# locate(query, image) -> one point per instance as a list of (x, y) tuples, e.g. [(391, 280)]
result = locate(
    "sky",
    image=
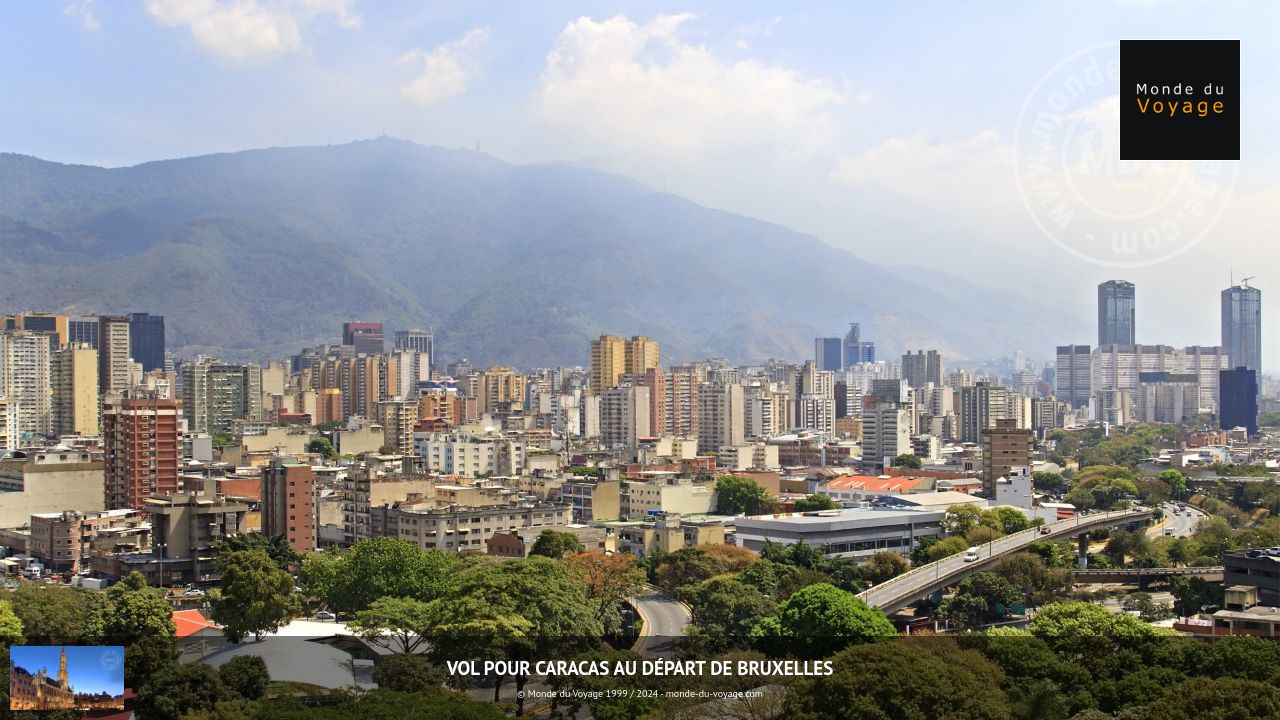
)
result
[(895, 130), (89, 669)]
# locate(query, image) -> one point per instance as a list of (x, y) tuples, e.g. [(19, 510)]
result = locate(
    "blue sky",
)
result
[(86, 670), (884, 128)]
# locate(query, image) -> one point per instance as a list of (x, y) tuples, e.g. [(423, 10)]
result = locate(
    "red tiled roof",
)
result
[(872, 483), (190, 622)]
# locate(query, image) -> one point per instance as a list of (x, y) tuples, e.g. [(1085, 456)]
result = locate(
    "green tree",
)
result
[(10, 625), (140, 619), (1176, 481), (246, 675), (180, 689), (1004, 519), (1034, 579), (526, 610), (738, 495), (686, 566), (1217, 699), (555, 544), (1050, 482), (960, 519), (407, 673), (819, 620), (1088, 633), (929, 680), (276, 547), (1193, 594), (254, 597), (60, 615), (908, 461), (401, 624), (1148, 610), (815, 502), (725, 610), (386, 567), (965, 611), (323, 447), (608, 580), (884, 566), (945, 548)]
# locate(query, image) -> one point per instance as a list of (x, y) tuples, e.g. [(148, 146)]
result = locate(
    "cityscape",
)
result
[(637, 361)]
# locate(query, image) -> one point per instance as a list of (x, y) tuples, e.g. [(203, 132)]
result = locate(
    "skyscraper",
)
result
[(920, 368), (113, 353), (422, 341), (141, 449), (1073, 375), (1242, 326), (365, 337), (829, 353), (1239, 404), (25, 382), (1116, 313), (74, 381), (612, 357), (146, 340), (857, 350)]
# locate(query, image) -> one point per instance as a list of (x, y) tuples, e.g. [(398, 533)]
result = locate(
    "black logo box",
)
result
[(1186, 65)]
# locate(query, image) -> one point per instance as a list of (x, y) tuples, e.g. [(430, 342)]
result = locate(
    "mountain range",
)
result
[(254, 254)]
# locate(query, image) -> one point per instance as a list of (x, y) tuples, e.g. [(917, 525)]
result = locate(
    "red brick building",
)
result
[(289, 503), (141, 451)]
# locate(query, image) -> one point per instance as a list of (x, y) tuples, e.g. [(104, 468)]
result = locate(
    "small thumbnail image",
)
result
[(66, 677)]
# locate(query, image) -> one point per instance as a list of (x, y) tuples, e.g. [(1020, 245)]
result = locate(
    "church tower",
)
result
[(64, 681)]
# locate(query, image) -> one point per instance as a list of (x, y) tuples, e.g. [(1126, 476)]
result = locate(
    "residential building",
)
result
[(25, 382), (977, 409), (1239, 404), (74, 381), (680, 407), (141, 450), (48, 480), (624, 416), (68, 540), (1242, 326), (721, 416), (1116, 313), (468, 455), (467, 529), (113, 353), (886, 434), (421, 341), (613, 356), (593, 499), (399, 417), (499, 388), (666, 493), (1004, 447), (289, 502), (184, 529), (215, 395), (1073, 376), (920, 368), (667, 533), (518, 543)]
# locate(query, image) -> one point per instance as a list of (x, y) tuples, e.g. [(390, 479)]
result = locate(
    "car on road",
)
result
[(324, 615), (971, 554), (1045, 529)]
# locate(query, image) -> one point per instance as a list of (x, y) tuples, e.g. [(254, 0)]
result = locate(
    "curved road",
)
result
[(1181, 523), (899, 592), (665, 619)]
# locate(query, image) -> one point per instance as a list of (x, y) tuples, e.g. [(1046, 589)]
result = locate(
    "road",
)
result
[(665, 619), (1181, 523), (893, 595)]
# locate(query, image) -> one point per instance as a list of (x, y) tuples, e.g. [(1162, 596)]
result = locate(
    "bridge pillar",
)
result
[(1082, 550)]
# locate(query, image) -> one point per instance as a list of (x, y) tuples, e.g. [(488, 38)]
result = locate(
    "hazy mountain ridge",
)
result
[(254, 254)]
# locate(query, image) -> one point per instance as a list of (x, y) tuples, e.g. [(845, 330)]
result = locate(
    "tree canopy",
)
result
[(819, 620), (555, 544), (738, 495), (255, 596)]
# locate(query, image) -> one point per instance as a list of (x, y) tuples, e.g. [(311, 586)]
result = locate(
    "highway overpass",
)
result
[(1142, 576), (907, 588)]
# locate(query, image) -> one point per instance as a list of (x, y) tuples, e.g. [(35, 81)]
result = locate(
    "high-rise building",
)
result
[(1004, 447), (74, 380), (1116, 303), (54, 326), (857, 350), (146, 340), (420, 340), (215, 395), (365, 337), (656, 380), (1073, 375), (624, 416), (1242, 326), (1239, 404), (829, 353), (398, 416), (25, 382), (141, 450), (978, 408), (499, 386), (886, 434), (681, 401), (612, 357), (82, 329), (919, 368), (113, 353), (359, 379), (288, 502), (721, 416)]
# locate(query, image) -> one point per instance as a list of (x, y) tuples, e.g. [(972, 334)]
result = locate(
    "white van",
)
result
[(971, 554)]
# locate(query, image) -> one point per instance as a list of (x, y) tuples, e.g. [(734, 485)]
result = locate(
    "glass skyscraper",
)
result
[(1116, 303), (146, 340), (1242, 326)]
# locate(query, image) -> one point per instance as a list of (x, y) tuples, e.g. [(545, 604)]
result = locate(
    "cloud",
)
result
[(445, 69), (643, 87), (241, 29), (83, 11)]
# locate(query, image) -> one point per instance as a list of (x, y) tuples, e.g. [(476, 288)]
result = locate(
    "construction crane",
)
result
[(1244, 282)]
